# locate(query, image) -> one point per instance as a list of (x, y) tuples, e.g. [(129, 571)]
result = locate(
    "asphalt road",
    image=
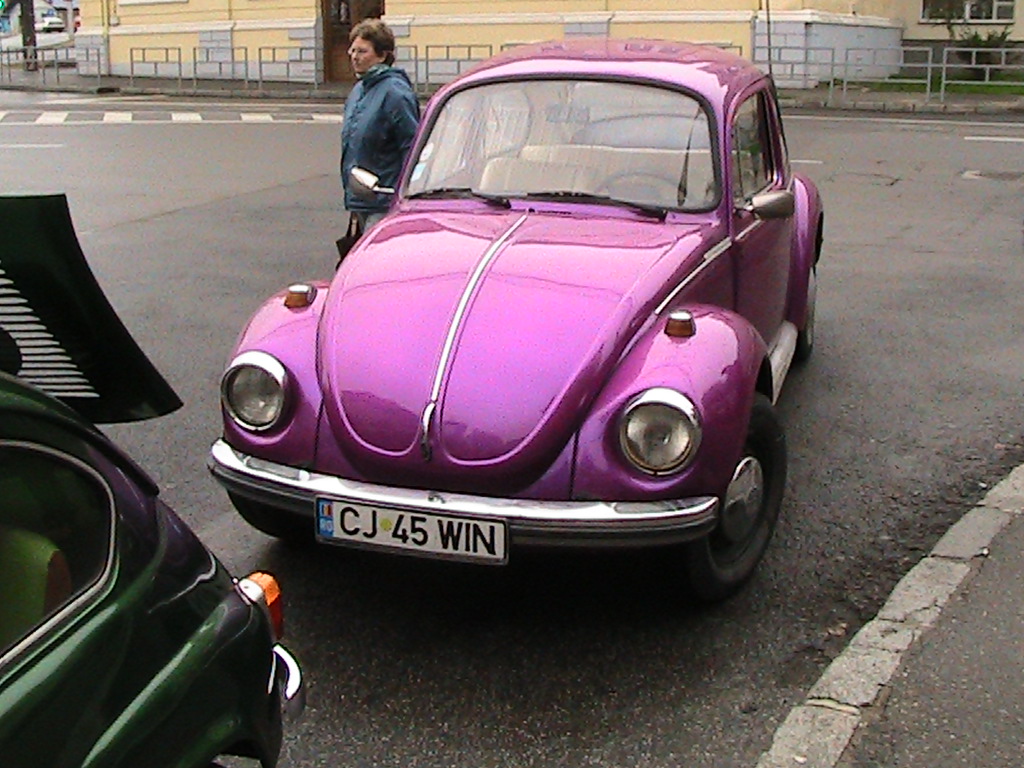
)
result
[(908, 410)]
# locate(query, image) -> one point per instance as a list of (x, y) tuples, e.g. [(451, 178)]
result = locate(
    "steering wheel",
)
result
[(641, 186)]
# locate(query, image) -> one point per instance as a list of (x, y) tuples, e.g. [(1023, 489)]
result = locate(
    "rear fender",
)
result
[(806, 247), (288, 334), (717, 368)]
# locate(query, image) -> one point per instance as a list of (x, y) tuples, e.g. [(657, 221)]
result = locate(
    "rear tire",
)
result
[(287, 526), (722, 562)]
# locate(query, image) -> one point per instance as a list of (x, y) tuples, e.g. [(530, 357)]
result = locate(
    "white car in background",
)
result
[(50, 22)]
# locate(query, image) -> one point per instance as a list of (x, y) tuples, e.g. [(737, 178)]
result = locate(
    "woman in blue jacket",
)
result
[(381, 115)]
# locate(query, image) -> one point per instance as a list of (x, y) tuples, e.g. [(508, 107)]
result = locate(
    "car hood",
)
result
[(58, 331), (473, 345)]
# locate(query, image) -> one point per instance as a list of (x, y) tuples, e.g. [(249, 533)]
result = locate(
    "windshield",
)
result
[(636, 143)]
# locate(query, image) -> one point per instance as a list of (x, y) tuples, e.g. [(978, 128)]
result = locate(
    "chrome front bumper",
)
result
[(556, 523), (288, 678)]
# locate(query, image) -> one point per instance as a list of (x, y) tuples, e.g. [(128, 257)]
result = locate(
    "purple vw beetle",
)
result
[(570, 330)]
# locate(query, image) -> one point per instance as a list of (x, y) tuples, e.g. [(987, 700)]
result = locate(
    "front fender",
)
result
[(717, 368), (289, 334), (806, 247)]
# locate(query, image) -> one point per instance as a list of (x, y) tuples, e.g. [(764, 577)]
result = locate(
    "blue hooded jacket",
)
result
[(381, 116)]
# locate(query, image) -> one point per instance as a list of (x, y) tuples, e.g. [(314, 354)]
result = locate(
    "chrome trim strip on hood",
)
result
[(427, 416), (460, 310)]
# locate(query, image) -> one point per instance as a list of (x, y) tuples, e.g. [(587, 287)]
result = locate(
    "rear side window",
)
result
[(56, 515)]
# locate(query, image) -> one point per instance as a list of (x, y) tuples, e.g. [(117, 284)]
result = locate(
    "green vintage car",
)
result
[(123, 640)]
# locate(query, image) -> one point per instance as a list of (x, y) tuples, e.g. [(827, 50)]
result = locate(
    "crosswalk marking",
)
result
[(52, 118), (22, 118)]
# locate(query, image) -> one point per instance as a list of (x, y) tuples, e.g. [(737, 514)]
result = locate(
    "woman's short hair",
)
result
[(378, 34)]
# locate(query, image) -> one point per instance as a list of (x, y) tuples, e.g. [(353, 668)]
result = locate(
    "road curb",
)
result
[(854, 687), (902, 107)]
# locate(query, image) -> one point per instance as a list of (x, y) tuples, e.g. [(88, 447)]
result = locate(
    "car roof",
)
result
[(713, 72)]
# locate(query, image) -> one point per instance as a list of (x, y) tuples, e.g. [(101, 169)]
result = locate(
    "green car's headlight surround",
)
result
[(254, 391), (660, 431)]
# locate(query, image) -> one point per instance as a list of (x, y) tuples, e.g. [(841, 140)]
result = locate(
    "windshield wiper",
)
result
[(656, 211), (461, 192)]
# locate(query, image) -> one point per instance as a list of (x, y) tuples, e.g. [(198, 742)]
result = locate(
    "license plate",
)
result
[(424, 533)]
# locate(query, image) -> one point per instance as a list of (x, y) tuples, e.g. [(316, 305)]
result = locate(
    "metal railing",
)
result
[(908, 65), (917, 69), (155, 62), (289, 63), (47, 62), (220, 64), (985, 65), (444, 63)]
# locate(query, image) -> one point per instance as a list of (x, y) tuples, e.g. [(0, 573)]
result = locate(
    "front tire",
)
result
[(719, 564), (805, 336)]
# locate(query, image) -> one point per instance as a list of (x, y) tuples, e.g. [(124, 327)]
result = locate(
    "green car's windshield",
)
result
[(631, 142)]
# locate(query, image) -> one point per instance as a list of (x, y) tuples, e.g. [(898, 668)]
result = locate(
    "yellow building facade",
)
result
[(306, 40)]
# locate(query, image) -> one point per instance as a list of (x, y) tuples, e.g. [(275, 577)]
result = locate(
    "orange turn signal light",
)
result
[(269, 595), (299, 295), (680, 325)]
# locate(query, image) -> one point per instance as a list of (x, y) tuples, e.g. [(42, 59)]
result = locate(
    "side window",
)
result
[(752, 169), (55, 536)]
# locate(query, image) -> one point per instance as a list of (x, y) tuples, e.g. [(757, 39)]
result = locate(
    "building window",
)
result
[(968, 10)]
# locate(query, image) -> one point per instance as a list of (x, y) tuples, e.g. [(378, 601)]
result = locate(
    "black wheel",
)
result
[(722, 562), (805, 337), (278, 523)]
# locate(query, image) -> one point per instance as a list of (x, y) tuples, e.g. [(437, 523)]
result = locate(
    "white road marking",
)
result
[(117, 117), (943, 122), (1005, 139), (51, 118), (256, 117), (186, 117), (327, 118), (31, 146)]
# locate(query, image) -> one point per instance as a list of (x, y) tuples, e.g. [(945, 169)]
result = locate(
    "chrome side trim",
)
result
[(710, 257), (749, 228), (544, 522), (780, 356)]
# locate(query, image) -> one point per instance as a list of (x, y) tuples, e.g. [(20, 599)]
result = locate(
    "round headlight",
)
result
[(660, 431), (253, 390)]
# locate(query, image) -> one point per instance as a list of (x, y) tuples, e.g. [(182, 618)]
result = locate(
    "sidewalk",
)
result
[(936, 679), (66, 79), (51, 79)]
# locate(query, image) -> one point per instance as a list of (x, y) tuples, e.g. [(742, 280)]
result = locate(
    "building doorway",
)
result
[(339, 18)]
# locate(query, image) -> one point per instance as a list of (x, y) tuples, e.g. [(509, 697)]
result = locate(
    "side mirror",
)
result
[(775, 204), (366, 184)]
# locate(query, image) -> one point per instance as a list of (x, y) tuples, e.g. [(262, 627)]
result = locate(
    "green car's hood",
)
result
[(57, 329)]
